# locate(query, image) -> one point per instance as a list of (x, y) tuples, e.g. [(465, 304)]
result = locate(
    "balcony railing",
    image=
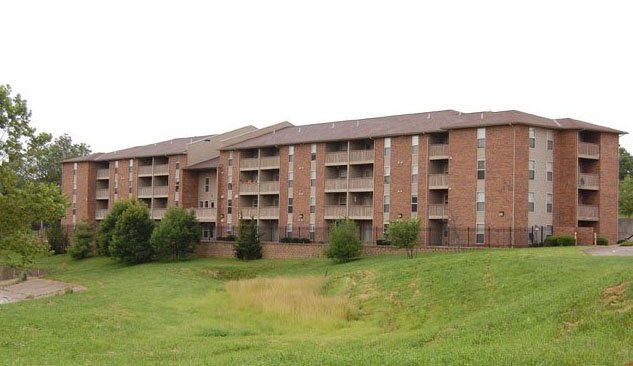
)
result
[(158, 213), (248, 212), (269, 212), (335, 212), (161, 169), (103, 193), (269, 187), (361, 184), (438, 151), (361, 212), (336, 184), (588, 213), (438, 211), (161, 191), (269, 162), (100, 214), (589, 181), (438, 181), (361, 156), (336, 158), (205, 214), (145, 191), (103, 174), (248, 188), (588, 150), (144, 170), (249, 163)]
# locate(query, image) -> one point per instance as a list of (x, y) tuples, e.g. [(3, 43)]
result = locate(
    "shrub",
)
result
[(131, 235), (627, 244), (226, 238), (551, 241), (176, 235), (294, 240), (248, 246), (57, 238), (344, 244), (404, 234), (566, 240), (602, 241), (106, 228), (82, 241), (382, 242)]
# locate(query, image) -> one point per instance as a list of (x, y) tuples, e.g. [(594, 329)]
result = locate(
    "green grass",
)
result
[(541, 306)]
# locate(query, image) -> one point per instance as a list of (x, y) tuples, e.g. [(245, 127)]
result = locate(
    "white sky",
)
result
[(116, 74)]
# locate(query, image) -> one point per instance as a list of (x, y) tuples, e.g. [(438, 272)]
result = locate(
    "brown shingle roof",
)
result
[(408, 124)]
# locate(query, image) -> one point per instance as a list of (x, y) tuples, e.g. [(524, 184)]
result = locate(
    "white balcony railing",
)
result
[(334, 212), (337, 157), (161, 169), (336, 184), (438, 211), (588, 150), (144, 170), (361, 156), (144, 192), (269, 162), (248, 187), (248, 212), (161, 191), (438, 151), (158, 213), (103, 193), (361, 212), (100, 214), (361, 184), (103, 174), (588, 213), (205, 214), (249, 163), (438, 181), (269, 187), (589, 181), (269, 212)]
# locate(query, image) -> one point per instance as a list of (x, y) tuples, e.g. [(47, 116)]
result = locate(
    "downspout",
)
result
[(514, 160)]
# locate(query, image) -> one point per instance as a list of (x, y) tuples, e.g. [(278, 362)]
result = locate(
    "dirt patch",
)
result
[(35, 288), (615, 299), (610, 251)]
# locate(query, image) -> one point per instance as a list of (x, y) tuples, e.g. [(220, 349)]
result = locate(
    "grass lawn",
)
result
[(546, 306)]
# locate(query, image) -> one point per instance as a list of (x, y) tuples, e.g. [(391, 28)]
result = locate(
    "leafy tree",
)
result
[(344, 244), (248, 246), (48, 156), (131, 235), (626, 163), (626, 196), (404, 234), (82, 241), (57, 238), (176, 235), (106, 228)]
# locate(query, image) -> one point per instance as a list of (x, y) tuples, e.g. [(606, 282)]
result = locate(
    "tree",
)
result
[(626, 196), (626, 163), (82, 241), (106, 228), (344, 244), (57, 238), (176, 235), (131, 235), (404, 234), (248, 246), (47, 164)]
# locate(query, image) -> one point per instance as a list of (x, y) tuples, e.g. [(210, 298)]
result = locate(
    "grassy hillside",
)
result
[(530, 306)]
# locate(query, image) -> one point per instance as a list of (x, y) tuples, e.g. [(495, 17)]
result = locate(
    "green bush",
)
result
[(226, 238), (131, 235), (248, 246), (176, 235), (82, 241), (382, 242), (566, 241), (602, 241), (404, 234), (551, 241), (57, 238), (106, 228), (294, 240), (344, 244), (626, 244)]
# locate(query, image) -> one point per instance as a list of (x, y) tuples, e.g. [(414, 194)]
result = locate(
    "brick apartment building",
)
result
[(486, 178)]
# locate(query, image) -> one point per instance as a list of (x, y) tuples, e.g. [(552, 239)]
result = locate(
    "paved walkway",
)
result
[(34, 288), (612, 250)]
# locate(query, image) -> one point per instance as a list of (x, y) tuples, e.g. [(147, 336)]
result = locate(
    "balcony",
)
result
[(588, 150), (589, 181), (144, 170), (336, 185), (249, 188), (361, 212), (205, 214), (336, 158), (588, 213), (269, 187), (248, 212), (249, 164), (269, 162), (361, 184), (361, 156), (335, 212), (269, 212), (438, 211), (161, 191), (438, 151), (103, 193), (161, 169), (438, 181), (103, 174), (158, 213), (100, 214), (144, 192)]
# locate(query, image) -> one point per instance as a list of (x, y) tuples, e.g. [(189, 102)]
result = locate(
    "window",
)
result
[(129, 187), (549, 230), (229, 186), (131, 163), (254, 202), (116, 167), (229, 228), (387, 174), (481, 137), (549, 202), (387, 146), (480, 234), (313, 150), (289, 230), (289, 204), (531, 165), (532, 136), (312, 204), (550, 140), (313, 178), (481, 169), (177, 162), (415, 145), (481, 201), (291, 177), (385, 204), (177, 186), (530, 201), (414, 174), (200, 204), (414, 203), (291, 153), (206, 204), (206, 184), (549, 168), (312, 230), (229, 206)]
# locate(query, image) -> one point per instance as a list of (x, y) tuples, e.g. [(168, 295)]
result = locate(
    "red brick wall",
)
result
[(236, 189), (565, 179), (320, 194), (283, 188), (422, 183), (609, 170), (379, 187), (301, 190), (222, 188), (400, 184), (67, 189), (86, 191), (124, 170), (462, 178)]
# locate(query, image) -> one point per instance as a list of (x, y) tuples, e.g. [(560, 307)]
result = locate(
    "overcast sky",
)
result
[(116, 74)]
